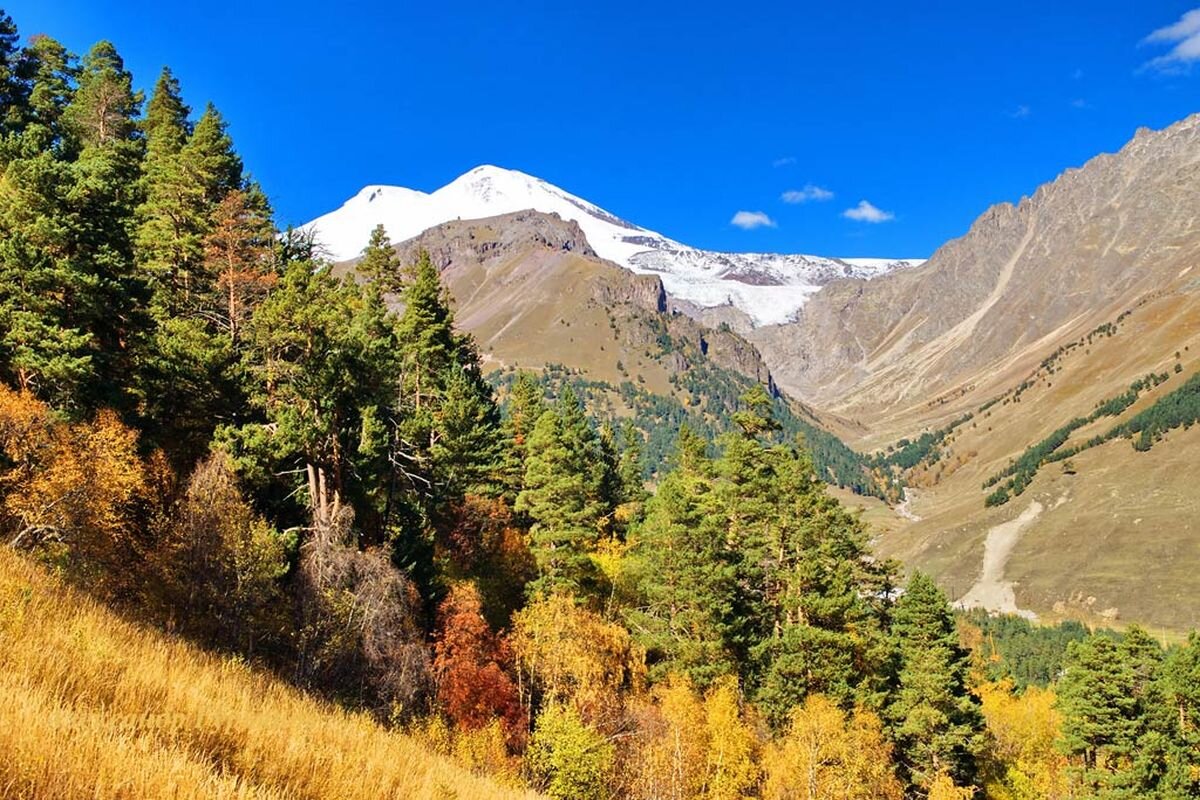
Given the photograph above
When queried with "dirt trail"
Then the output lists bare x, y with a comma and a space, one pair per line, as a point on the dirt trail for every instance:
903, 508
991, 591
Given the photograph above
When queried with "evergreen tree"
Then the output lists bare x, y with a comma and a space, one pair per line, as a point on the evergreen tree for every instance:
238, 254
14, 86
321, 363
107, 299
172, 216
525, 404
379, 263
562, 496
446, 410
630, 469
42, 348
52, 73
1180, 688
684, 573
211, 159
935, 719
1097, 696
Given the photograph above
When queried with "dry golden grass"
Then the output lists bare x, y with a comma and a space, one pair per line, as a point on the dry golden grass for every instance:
92, 706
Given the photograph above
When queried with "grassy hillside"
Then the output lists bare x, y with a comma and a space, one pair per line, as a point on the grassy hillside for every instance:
92, 706
1115, 539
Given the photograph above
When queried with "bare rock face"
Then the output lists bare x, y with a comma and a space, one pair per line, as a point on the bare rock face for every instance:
497, 237
1075, 254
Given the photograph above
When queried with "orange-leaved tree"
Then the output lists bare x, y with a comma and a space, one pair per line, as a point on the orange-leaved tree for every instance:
470, 667
71, 484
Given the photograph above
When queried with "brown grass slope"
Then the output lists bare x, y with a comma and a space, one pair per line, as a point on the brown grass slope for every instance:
987, 307
1117, 541
92, 706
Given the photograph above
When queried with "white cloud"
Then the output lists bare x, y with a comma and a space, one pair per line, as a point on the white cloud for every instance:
809, 192
1020, 112
866, 212
1077, 74
749, 220
1079, 102
786, 161
1185, 36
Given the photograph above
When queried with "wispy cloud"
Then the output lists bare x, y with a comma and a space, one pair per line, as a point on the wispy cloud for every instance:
809, 192
786, 161
1184, 36
749, 220
1077, 74
867, 212
1020, 112
1079, 102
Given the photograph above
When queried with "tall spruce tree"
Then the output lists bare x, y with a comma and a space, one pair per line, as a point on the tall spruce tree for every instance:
379, 263
562, 496
43, 348
684, 573
108, 298
525, 404
14, 74
936, 721
172, 216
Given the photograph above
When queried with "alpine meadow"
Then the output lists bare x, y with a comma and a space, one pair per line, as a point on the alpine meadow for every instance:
488, 492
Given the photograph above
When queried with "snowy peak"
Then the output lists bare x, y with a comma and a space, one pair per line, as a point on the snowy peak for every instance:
768, 288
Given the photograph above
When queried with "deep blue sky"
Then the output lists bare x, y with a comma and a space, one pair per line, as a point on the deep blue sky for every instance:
671, 114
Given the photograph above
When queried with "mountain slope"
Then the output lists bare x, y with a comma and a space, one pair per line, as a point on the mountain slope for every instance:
1019, 353
989, 306
767, 288
536, 297
92, 705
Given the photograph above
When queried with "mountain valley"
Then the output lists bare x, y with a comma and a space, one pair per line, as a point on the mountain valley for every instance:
1041, 312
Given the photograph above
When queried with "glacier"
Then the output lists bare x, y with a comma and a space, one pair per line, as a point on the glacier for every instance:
769, 288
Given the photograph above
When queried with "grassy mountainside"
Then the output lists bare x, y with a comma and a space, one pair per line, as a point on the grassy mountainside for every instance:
95, 706
1112, 518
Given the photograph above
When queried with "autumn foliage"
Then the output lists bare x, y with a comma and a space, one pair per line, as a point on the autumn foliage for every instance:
471, 669
71, 484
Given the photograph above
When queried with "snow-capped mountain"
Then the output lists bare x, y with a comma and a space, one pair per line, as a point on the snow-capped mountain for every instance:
769, 288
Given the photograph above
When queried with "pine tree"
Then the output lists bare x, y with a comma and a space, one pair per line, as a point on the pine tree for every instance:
525, 404
42, 348
466, 449
321, 363
238, 254
684, 573
210, 158
109, 300
935, 719
560, 497
14, 86
1097, 696
52, 73
172, 216
379, 263
630, 468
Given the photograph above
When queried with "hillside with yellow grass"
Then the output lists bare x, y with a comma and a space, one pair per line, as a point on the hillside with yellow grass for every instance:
92, 705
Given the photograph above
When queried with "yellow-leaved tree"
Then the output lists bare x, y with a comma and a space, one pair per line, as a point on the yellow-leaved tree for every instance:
829, 755
731, 768
572, 656
1021, 762
69, 484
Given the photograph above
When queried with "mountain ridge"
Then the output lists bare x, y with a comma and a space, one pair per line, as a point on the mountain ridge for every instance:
767, 287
